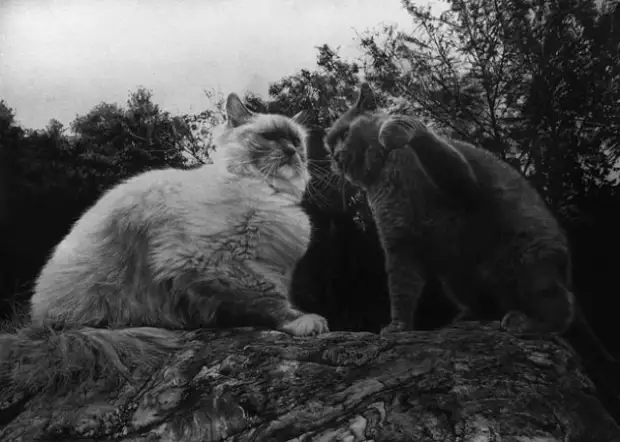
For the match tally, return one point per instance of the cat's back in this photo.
(142, 199)
(513, 196)
(511, 221)
(98, 243)
(488, 168)
(151, 207)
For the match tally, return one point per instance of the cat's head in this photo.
(353, 138)
(270, 147)
(361, 139)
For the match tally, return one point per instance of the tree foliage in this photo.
(327, 91)
(534, 82)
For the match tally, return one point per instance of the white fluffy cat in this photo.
(172, 249)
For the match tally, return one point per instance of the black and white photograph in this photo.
(291, 221)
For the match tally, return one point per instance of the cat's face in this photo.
(267, 146)
(353, 140)
(361, 140)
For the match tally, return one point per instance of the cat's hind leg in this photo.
(548, 311)
(544, 304)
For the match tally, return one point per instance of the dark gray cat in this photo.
(449, 209)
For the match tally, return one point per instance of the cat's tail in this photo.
(600, 365)
(41, 359)
(581, 336)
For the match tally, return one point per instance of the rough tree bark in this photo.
(467, 382)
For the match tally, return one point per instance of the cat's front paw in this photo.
(395, 327)
(306, 325)
(516, 323)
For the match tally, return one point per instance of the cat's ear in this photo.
(236, 111)
(301, 117)
(366, 99)
(399, 130)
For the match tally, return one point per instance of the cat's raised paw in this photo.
(395, 327)
(307, 325)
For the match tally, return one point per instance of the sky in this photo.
(61, 58)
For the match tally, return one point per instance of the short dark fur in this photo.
(450, 209)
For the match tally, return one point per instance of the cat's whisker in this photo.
(319, 170)
(243, 164)
(272, 174)
(319, 161)
(322, 194)
(322, 174)
(320, 201)
(328, 182)
(265, 171)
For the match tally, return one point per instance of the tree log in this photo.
(466, 382)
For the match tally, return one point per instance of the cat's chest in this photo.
(282, 234)
(425, 214)
(266, 227)
(434, 229)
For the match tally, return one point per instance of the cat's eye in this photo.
(270, 136)
(344, 134)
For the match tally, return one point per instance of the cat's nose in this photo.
(337, 156)
(289, 150)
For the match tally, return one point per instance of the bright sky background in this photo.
(59, 58)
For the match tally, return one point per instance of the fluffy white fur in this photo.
(172, 249)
